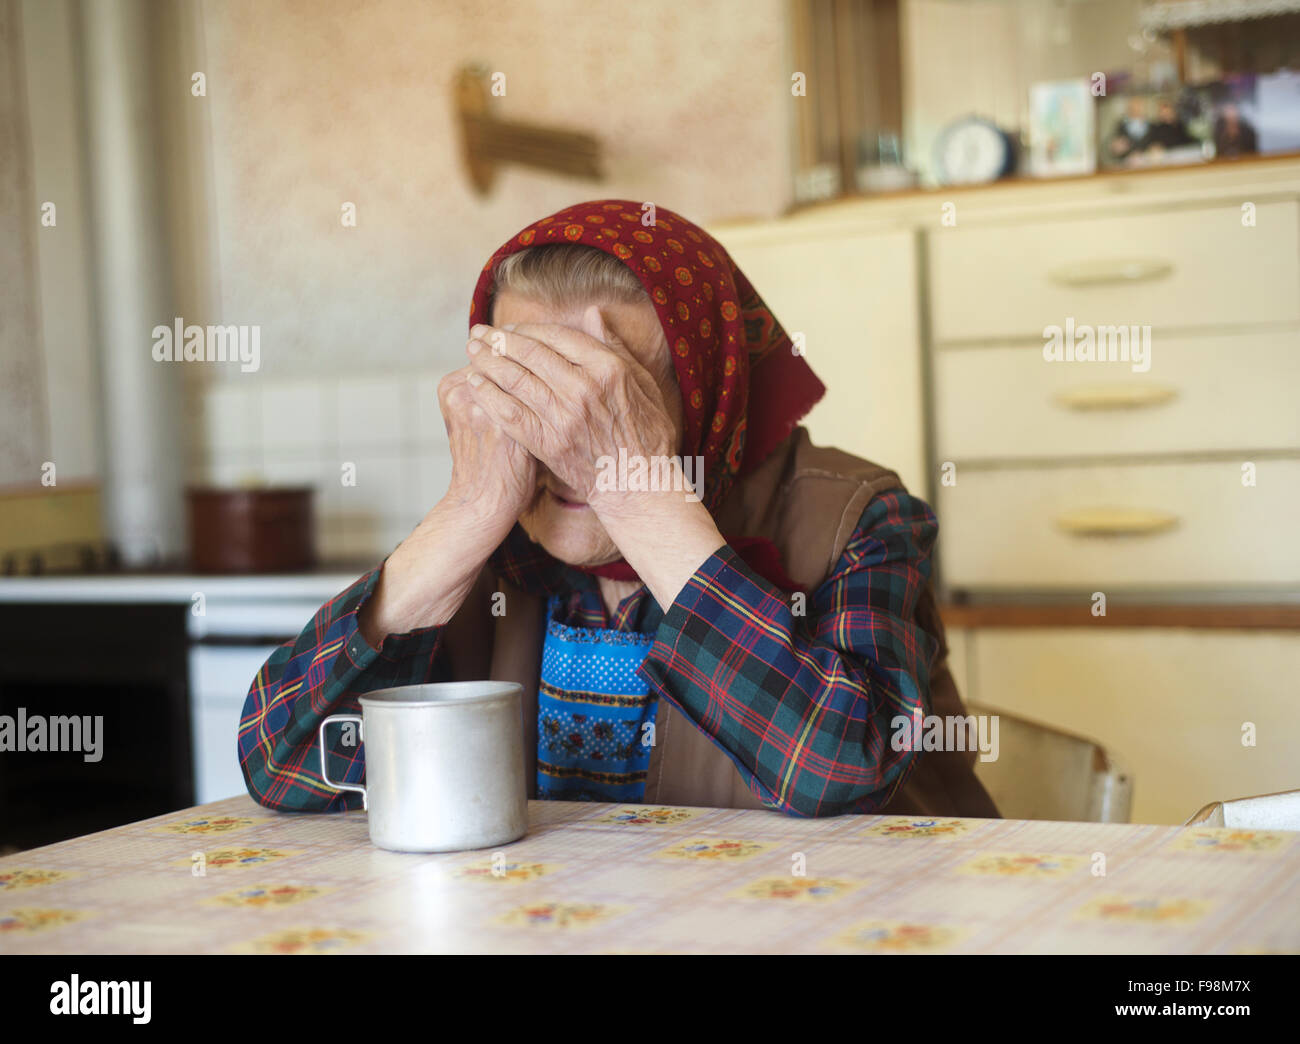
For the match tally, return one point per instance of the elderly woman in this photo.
(702, 607)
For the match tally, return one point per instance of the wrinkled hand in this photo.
(570, 398)
(493, 478)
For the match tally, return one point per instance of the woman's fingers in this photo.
(508, 413)
(528, 351)
(581, 346)
(567, 396)
(513, 378)
(595, 327)
(454, 399)
(566, 357)
(553, 351)
(556, 369)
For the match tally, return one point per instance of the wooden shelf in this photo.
(1021, 182)
(1239, 617)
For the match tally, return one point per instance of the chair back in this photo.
(1045, 773)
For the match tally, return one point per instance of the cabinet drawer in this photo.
(1170, 703)
(1125, 526)
(1201, 394)
(1173, 269)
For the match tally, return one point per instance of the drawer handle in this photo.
(1116, 522)
(1115, 396)
(1109, 271)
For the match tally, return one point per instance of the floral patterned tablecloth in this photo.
(234, 877)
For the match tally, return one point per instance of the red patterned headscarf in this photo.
(743, 387)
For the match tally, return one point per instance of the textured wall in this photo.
(315, 103)
(22, 395)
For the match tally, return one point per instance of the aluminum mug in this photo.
(444, 765)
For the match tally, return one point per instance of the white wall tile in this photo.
(330, 537)
(353, 537)
(297, 468)
(380, 486)
(230, 468)
(299, 415)
(429, 472)
(330, 491)
(232, 415)
(369, 412)
(392, 532)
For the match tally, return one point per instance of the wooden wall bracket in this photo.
(489, 143)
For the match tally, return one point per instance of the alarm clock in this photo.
(973, 150)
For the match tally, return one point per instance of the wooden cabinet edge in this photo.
(1207, 617)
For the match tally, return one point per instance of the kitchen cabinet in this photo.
(1176, 472)
(1197, 266)
(1194, 715)
(1207, 394)
(853, 296)
(1170, 484)
(1172, 526)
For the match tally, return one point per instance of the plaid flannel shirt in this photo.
(802, 703)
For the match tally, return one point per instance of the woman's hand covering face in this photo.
(493, 478)
(570, 398)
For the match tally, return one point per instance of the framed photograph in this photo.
(1277, 111)
(1061, 129)
(1236, 117)
(1256, 114)
(1155, 129)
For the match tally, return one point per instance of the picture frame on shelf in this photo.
(1277, 109)
(1155, 128)
(1236, 117)
(1062, 129)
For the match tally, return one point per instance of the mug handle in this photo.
(325, 775)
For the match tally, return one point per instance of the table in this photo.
(234, 877)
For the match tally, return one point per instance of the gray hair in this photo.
(567, 274)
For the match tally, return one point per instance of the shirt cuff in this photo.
(724, 570)
(698, 616)
(397, 653)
